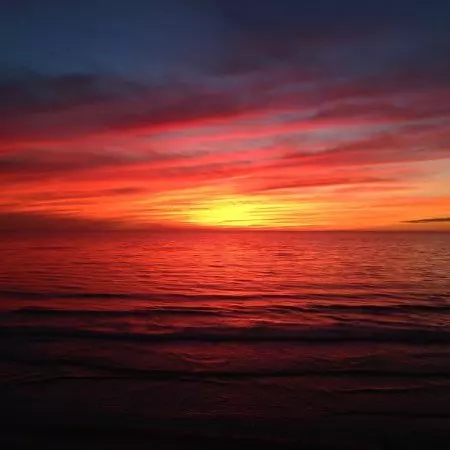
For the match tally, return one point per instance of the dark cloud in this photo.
(30, 164)
(431, 220)
(35, 222)
(51, 109)
(46, 112)
(51, 196)
(28, 92)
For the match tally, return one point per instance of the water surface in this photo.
(249, 334)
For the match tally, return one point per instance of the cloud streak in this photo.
(431, 220)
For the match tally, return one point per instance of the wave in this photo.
(333, 333)
(116, 313)
(234, 310)
(185, 375)
(102, 369)
(82, 295)
(308, 295)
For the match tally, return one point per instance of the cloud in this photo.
(42, 108)
(28, 92)
(12, 221)
(26, 118)
(431, 220)
(350, 101)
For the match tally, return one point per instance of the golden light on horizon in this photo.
(233, 211)
(239, 211)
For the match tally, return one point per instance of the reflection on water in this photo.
(233, 285)
(237, 334)
(227, 263)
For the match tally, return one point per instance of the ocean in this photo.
(200, 339)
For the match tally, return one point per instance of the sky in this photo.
(286, 114)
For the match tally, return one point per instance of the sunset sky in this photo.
(323, 115)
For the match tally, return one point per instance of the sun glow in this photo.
(230, 212)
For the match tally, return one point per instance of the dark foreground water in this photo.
(214, 339)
